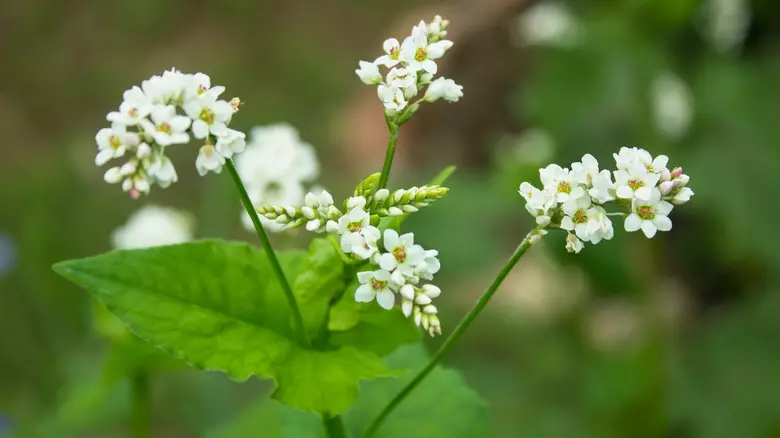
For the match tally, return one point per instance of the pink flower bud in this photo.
(666, 187)
(134, 194)
(676, 172)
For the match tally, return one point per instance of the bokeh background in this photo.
(674, 337)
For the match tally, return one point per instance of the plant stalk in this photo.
(334, 427)
(141, 412)
(300, 328)
(389, 154)
(455, 336)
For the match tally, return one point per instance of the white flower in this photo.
(198, 85)
(209, 115)
(649, 215)
(167, 127)
(429, 266)
(418, 54)
(392, 50)
(576, 216)
(561, 182)
(363, 244)
(402, 254)
(652, 165)
(113, 143)
(153, 226)
(375, 284)
(276, 153)
(369, 73)
(626, 158)
(538, 203)
(162, 171)
(443, 88)
(404, 80)
(133, 109)
(636, 182)
(603, 188)
(209, 160)
(112, 175)
(393, 98)
(573, 244)
(234, 142)
(672, 103)
(586, 170)
(165, 89)
(683, 196)
(599, 226)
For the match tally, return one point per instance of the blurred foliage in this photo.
(671, 337)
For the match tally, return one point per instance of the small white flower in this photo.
(402, 254)
(133, 109)
(392, 51)
(198, 85)
(112, 175)
(209, 160)
(165, 89)
(209, 115)
(234, 142)
(649, 215)
(584, 171)
(652, 165)
(603, 188)
(393, 98)
(362, 244)
(275, 153)
(375, 284)
(636, 182)
(573, 244)
(561, 182)
(167, 127)
(153, 226)
(369, 73)
(576, 217)
(538, 203)
(418, 54)
(429, 266)
(404, 80)
(443, 88)
(626, 158)
(599, 226)
(683, 196)
(163, 172)
(113, 143)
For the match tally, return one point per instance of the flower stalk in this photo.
(532, 237)
(141, 411)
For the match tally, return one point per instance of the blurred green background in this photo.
(675, 337)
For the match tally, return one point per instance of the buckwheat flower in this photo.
(375, 284)
(443, 88)
(393, 98)
(652, 165)
(209, 116)
(649, 215)
(538, 203)
(402, 254)
(603, 189)
(436, 28)
(636, 182)
(403, 79)
(165, 89)
(209, 160)
(276, 152)
(233, 142)
(112, 175)
(584, 171)
(369, 73)
(362, 244)
(113, 143)
(167, 127)
(286, 191)
(153, 226)
(626, 158)
(573, 244)
(576, 216)
(429, 266)
(133, 108)
(599, 226)
(561, 182)
(392, 50)
(162, 171)
(198, 85)
(418, 54)
(683, 196)
(353, 222)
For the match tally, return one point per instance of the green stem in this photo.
(140, 392)
(269, 251)
(456, 334)
(389, 154)
(334, 427)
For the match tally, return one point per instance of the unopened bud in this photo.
(290, 210)
(308, 212)
(666, 187)
(665, 175)
(431, 290)
(331, 227)
(311, 200)
(112, 175)
(235, 103)
(381, 195)
(395, 211)
(676, 172)
(282, 219)
(422, 299)
(406, 307)
(356, 202)
(409, 208)
(430, 309)
(407, 290)
(313, 225)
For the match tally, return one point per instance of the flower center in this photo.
(420, 55)
(400, 254)
(564, 187)
(636, 184)
(201, 89)
(650, 168)
(646, 212)
(133, 112)
(164, 127)
(394, 53)
(114, 142)
(354, 227)
(207, 115)
(378, 285)
(580, 217)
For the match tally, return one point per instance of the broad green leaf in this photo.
(217, 306)
(321, 278)
(366, 326)
(441, 406)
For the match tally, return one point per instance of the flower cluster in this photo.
(275, 169)
(412, 66)
(644, 191)
(167, 110)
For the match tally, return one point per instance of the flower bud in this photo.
(683, 196)
(395, 211)
(142, 185)
(431, 290)
(128, 168)
(332, 227)
(282, 219)
(425, 321)
(443, 88)
(112, 175)
(406, 307)
(369, 73)
(381, 195)
(311, 200)
(409, 208)
(398, 195)
(676, 172)
(143, 151)
(313, 225)
(422, 299)
(666, 187)
(127, 185)
(665, 175)
(356, 202)
(430, 309)
(308, 212)
(326, 199)
(417, 316)
(290, 210)
(407, 291)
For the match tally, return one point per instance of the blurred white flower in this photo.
(443, 88)
(153, 226)
(548, 23)
(209, 160)
(672, 103)
(725, 23)
(369, 73)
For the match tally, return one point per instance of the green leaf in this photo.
(321, 278)
(218, 306)
(366, 326)
(441, 406)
